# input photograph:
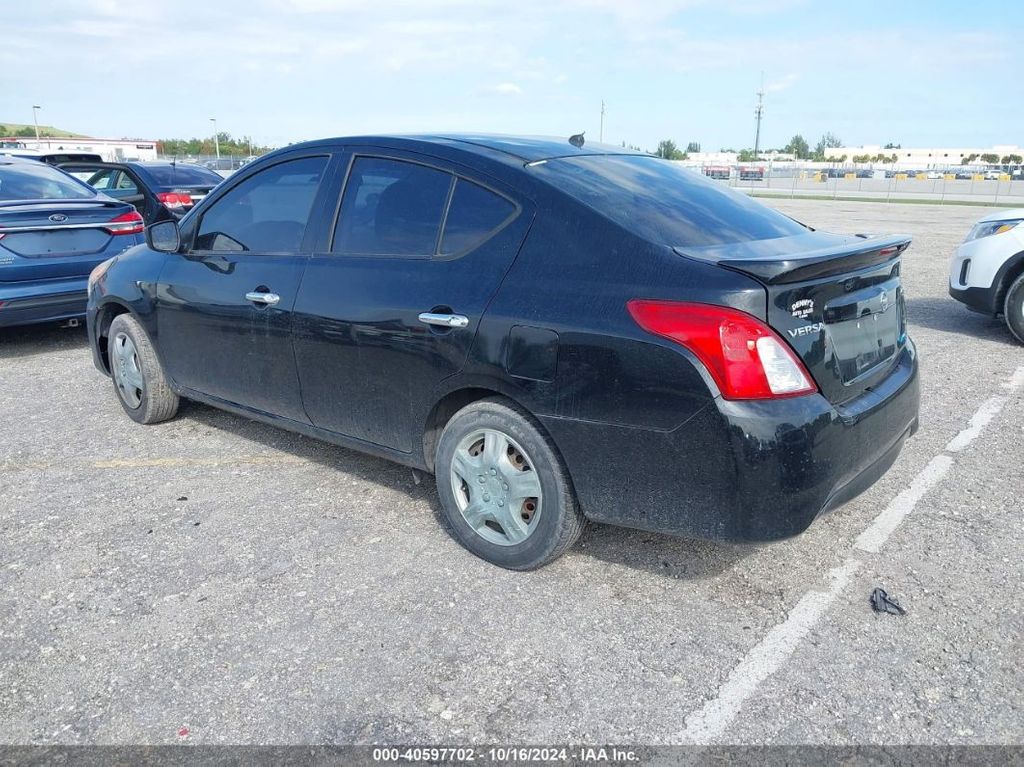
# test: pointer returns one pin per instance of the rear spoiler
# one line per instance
(774, 263)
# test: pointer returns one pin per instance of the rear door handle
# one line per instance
(262, 298)
(444, 320)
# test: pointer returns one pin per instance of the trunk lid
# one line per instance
(836, 300)
(44, 239)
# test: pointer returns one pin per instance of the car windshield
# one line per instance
(169, 175)
(663, 201)
(38, 181)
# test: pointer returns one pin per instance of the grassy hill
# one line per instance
(29, 131)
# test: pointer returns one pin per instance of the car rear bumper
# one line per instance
(26, 303)
(742, 471)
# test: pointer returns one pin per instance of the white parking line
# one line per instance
(764, 659)
(878, 532)
(989, 409)
(767, 656)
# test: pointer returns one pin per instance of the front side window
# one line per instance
(267, 212)
(391, 207)
(125, 183)
(99, 179)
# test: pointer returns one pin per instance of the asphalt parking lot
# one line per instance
(214, 580)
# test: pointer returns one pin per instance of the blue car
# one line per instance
(54, 230)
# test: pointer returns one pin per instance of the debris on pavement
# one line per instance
(881, 602)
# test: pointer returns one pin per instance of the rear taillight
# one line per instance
(174, 200)
(126, 223)
(744, 356)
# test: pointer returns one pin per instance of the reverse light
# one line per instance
(988, 228)
(127, 223)
(744, 356)
(175, 200)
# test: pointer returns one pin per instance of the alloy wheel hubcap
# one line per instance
(496, 487)
(127, 371)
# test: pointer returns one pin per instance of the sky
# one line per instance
(937, 73)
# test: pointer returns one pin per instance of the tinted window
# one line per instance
(38, 181)
(665, 202)
(170, 175)
(391, 208)
(98, 180)
(474, 214)
(266, 213)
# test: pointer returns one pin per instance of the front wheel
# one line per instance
(1013, 309)
(504, 492)
(139, 379)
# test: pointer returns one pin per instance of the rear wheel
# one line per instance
(504, 491)
(1013, 309)
(139, 379)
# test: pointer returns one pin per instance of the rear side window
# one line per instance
(474, 214)
(664, 202)
(265, 213)
(38, 181)
(391, 207)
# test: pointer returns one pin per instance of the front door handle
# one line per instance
(444, 320)
(262, 298)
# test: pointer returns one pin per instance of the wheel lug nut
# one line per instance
(481, 480)
(504, 486)
(487, 497)
(501, 502)
(494, 472)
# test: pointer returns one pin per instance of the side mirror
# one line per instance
(163, 236)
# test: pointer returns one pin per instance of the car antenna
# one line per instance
(577, 140)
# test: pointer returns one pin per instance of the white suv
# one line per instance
(987, 271)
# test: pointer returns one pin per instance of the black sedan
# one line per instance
(158, 190)
(558, 333)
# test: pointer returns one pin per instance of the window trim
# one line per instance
(437, 255)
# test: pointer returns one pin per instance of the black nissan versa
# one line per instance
(558, 332)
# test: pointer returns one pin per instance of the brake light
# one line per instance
(744, 356)
(126, 223)
(174, 200)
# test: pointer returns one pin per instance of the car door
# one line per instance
(224, 304)
(390, 307)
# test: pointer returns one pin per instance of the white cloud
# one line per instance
(507, 89)
(783, 83)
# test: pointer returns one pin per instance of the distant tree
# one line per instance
(667, 148)
(746, 155)
(693, 146)
(990, 158)
(969, 159)
(862, 158)
(798, 147)
(828, 141)
(891, 145)
(1015, 159)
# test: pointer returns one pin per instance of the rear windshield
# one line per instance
(39, 181)
(169, 175)
(665, 202)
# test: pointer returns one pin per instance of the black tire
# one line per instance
(558, 522)
(155, 400)
(1013, 308)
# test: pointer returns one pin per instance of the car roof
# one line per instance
(1004, 215)
(518, 149)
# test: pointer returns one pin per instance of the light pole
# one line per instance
(600, 135)
(216, 138)
(35, 119)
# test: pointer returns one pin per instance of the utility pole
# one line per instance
(758, 112)
(35, 119)
(216, 138)
(600, 135)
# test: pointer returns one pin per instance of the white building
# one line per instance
(112, 150)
